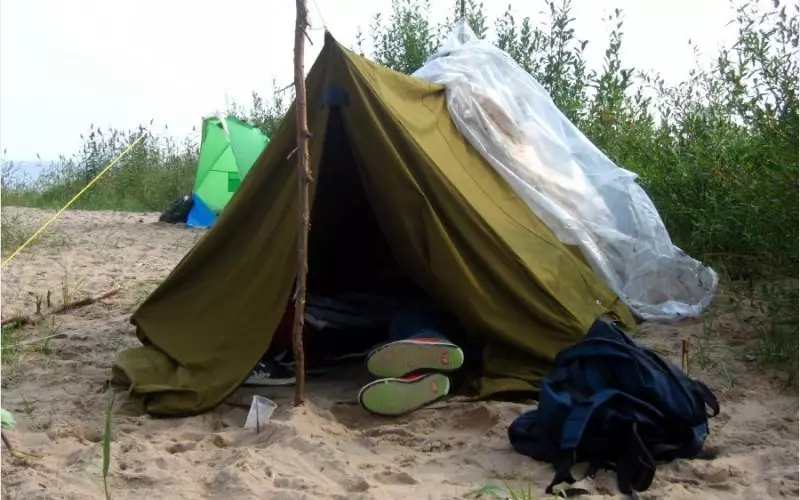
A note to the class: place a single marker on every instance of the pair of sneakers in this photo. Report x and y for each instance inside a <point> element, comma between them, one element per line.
<point>412,374</point>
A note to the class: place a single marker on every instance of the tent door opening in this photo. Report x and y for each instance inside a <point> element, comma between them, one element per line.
<point>347,249</point>
<point>354,285</point>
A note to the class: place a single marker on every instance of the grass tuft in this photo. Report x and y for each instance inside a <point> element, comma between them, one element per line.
<point>107,442</point>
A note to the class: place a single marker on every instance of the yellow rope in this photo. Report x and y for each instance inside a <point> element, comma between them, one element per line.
<point>70,202</point>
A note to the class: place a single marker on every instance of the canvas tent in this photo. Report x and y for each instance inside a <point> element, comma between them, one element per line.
<point>394,181</point>
<point>228,149</point>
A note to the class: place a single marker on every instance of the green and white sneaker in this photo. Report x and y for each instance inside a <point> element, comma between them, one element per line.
<point>402,357</point>
<point>394,396</point>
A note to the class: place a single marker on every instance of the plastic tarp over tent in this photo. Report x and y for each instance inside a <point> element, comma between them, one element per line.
<point>430,204</point>
<point>566,180</point>
<point>228,149</point>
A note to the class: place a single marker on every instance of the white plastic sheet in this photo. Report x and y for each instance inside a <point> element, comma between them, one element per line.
<point>565,180</point>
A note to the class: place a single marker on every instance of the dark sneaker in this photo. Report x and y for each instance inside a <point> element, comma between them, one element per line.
<point>397,396</point>
<point>272,374</point>
<point>402,357</point>
<point>321,365</point>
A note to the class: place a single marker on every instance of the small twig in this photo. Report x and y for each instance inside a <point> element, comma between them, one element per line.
<point>25,320</point>
<point>284,89</point>
<point>20,320</point>
<point>685,356</point>
<point>39,339</point>
<point>85,302</point>
<point>6,442</point>
<point>12,451</point>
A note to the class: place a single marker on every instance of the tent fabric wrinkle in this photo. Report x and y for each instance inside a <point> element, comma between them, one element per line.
<point>395,182</point>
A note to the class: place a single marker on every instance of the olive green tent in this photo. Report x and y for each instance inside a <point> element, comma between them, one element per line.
<point>394,179</point>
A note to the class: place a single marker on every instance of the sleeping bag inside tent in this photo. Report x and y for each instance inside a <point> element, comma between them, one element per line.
<point>228,149</point>
<point>396,187</point>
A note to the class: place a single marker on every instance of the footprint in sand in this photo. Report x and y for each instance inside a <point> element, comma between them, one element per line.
<point>290,483</point>
<point>479,418</point>
<point>181,447</point>
<point>391,477</point>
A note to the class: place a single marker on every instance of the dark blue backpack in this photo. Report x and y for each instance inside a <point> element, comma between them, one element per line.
<point>616,405</point>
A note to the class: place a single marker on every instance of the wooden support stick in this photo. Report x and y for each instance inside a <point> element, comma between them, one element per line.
<point>304,176</point>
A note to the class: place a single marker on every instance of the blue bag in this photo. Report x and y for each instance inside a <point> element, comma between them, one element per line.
<point>616,405</point>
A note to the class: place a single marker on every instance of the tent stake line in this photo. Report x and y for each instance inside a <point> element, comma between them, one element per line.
<point>70,202</point>
<point>304,179</point>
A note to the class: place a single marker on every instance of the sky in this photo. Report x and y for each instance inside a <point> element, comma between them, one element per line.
<point>67,64</point>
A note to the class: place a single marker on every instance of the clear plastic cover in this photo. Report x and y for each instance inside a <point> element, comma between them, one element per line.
<point>566,180</point>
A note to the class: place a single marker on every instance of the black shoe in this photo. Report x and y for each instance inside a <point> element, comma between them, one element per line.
<point>272,374</point>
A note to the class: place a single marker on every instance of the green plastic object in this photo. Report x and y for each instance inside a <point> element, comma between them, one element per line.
<point>228,149</point>
<point>8,421</point>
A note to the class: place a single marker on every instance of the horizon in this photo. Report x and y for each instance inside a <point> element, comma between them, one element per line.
<point>179,66</point>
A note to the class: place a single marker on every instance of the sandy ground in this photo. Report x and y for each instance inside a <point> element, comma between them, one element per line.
<point>327,449</point>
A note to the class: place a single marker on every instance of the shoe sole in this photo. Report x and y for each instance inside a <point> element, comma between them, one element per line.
<point>402,357</point>
<point>392,397</point>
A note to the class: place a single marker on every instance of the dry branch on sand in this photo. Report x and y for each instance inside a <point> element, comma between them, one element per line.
<point>32,320</point>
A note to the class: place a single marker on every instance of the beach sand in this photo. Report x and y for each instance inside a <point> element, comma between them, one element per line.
<point>328,448</point>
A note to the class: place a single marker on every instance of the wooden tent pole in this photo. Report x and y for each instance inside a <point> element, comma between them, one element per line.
<point>304,176</point>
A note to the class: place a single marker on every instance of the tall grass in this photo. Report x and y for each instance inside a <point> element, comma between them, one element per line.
<point>718,153</point>
<point>154,173</point>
